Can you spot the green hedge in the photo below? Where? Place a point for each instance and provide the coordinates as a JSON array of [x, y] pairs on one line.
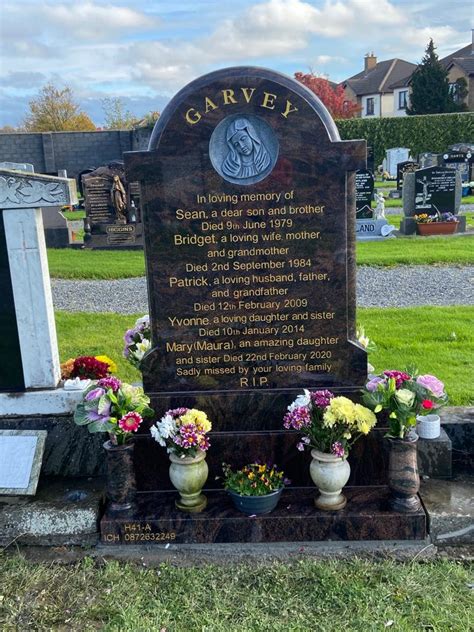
[[431, 132]]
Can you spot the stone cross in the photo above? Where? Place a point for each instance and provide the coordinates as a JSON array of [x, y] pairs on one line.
[[25, 283]]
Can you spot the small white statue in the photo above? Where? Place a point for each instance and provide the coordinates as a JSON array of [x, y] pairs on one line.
[[380, 208]]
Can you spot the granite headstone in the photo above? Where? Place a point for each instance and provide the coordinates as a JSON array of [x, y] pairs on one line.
[[112, 218], [364, 180], [408, 166]]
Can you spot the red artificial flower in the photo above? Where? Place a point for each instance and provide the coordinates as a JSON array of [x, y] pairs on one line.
[[427, 404], [87, 367], [130, 422]]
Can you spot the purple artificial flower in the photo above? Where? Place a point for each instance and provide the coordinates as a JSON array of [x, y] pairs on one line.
[[177, 412], [321, 399], [337, 449], [373, 384], [300, 446], [297, 418], [110, 382], [129, 336], [431, 383], [96, 393], [93, 415]]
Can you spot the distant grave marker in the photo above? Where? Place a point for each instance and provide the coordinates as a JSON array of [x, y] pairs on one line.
[[21, 455]]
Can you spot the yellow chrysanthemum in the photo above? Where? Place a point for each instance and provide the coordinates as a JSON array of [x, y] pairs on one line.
[[197, 417], [366, 419], [66, 368], [342, 409], [107, 360]]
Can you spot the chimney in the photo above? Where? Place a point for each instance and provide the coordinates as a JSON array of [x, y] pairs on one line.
[[370, 61]]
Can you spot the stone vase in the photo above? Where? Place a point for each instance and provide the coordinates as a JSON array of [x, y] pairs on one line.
[[120, 483], [403, 477], [188, 475], [329, 473]]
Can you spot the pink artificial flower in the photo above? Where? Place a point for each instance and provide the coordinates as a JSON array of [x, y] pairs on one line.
[[110, 382], [398, 376], [337, 449], [297, 418], [427, 404], [431, 383], [130, 422]]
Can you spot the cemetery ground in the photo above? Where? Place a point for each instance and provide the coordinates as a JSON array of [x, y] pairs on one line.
[[329, 595]]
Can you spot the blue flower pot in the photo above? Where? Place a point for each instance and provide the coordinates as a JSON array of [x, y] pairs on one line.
[[256, 505]]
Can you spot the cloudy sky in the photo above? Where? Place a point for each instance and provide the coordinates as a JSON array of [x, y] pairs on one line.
[[145, 50]]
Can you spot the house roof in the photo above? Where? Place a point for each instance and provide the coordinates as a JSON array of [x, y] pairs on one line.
[[462, 53], [382, 77]]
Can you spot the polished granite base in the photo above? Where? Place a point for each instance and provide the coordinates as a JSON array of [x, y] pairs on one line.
[[155, 519]]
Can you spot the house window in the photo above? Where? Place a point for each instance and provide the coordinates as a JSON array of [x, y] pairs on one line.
[[369, 107], [402, 99], [454, 91]]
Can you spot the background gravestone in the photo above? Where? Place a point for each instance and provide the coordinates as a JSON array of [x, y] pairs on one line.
[[249, 215], [461, 161], [428, 159], [409, 166], [364, 180], [428, 190], [112, 220], [392, 157]]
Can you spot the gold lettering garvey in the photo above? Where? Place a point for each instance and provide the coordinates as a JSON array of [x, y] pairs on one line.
[[266, 100]]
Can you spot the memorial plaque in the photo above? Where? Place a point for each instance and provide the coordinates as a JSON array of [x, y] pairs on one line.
[[248, 196], [435, 190], [405, 167], [121, 234], [98, 204], [21, 454], [364, 182]]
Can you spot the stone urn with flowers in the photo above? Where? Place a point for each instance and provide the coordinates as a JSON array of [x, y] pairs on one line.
[[183, 432], [116, 408], [404, 396], [329, 426]]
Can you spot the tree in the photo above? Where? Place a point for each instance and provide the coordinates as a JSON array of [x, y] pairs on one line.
[[8, 129], [430, 93], [116, 116], [54, 110], [333, 98], [149, 119]]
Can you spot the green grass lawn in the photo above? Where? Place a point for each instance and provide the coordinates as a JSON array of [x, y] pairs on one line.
[[327, 596], [68, 263], [438, 340], [416, 250]]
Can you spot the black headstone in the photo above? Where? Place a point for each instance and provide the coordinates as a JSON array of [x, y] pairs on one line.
[[11, 369], [370, 159], [408, 166], [112, 209], [249, 214], [462, 161], [435, 190], [364, 181]]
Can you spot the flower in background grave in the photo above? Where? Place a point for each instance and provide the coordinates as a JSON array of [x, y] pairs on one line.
[[88, 367], [107, 360]]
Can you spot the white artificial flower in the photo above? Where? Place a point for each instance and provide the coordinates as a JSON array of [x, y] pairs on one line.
[[144, 320], [405, 396], [142, 348], [301, 400], [167, 426], [155, 433]]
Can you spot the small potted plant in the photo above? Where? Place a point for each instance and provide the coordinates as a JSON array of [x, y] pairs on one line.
[[118, 409], [404, 396], [137, 341], [330, 426], [256, 488], [183, 432], [437, 224]]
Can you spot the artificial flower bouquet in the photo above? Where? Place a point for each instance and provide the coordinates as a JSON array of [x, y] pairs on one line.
[[88, 367], [328, 423], [404, 395], [254, 479], [115, 407], [424, 218], [137, 341], [183, 431]]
